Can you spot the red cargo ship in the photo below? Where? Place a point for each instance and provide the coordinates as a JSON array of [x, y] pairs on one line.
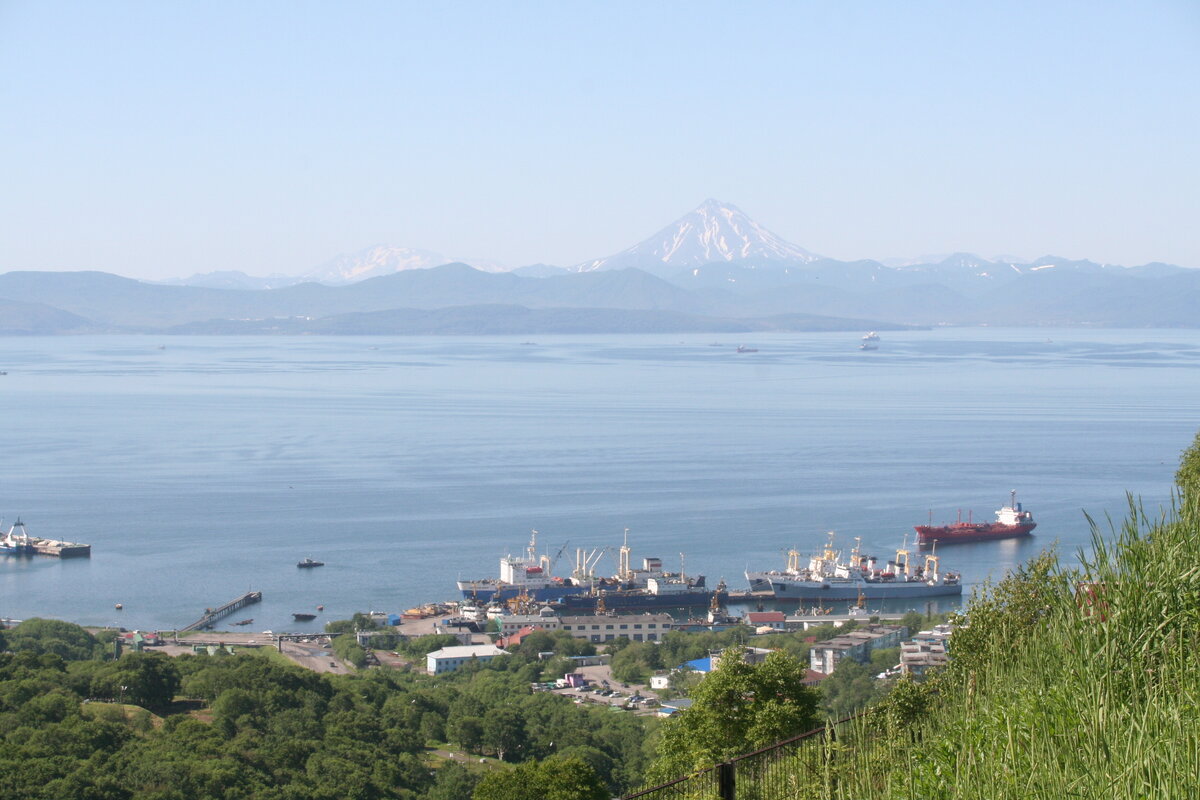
[[1012, 520]]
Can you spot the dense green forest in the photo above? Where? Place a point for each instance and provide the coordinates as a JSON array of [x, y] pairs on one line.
[[249, 726]]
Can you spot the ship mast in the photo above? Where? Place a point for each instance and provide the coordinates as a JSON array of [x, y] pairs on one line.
[[902, 558], [793, 560], [624, 573]]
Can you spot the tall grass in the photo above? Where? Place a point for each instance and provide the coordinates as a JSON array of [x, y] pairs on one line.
[[1068, 683], [1080, 682]]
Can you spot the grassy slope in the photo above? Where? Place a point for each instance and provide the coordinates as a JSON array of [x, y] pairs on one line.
[[1055, 694]]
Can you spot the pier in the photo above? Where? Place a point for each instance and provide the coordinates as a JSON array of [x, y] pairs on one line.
[[211, 615]]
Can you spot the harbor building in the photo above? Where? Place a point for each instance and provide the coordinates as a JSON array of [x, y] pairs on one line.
[[604, 628], [545, 620], [594, 628], [449, 659], [858, 645]]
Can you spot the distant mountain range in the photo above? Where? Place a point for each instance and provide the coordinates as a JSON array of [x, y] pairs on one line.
[[714, 270]]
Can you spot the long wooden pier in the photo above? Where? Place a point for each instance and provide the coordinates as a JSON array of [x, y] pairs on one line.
[[211, 615]]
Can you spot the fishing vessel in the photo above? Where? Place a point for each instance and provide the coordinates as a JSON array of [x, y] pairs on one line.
[[308, 563], [828, 577], [1011, 520], [528, 574], [16, 541], [667, 593], [642, 588]]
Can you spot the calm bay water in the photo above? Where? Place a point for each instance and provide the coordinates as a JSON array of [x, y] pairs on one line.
[[210, 466]]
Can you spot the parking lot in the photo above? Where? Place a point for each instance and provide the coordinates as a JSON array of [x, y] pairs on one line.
[[612, 692]]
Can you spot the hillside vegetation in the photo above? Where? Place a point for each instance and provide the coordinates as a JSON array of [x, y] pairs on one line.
[[1069, 681]]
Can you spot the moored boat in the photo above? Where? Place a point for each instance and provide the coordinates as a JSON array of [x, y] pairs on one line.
[[828, 577], [1012, 520], [303, 616], [528, 574], [16, 541]]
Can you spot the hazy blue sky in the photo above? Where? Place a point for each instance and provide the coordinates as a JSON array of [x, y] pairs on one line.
[[158, 139]]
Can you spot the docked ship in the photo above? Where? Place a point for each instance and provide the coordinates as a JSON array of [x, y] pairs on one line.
[[16, 541], [1011, 521], [521, 575], [645, 588], [666, 593], [529, 579], [828, 577]]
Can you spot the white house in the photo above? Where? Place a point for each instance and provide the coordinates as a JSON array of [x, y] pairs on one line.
[[449, 659]]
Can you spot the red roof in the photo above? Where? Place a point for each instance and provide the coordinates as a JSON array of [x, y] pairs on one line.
[[759, 617], [514, 639]]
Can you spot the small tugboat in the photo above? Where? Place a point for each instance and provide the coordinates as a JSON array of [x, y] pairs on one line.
[[303, 617], [308, 563]]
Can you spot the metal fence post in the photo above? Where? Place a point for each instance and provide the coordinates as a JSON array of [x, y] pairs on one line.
[[726, 780]]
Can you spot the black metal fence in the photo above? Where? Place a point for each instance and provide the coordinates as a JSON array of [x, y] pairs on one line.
[[808, 765]]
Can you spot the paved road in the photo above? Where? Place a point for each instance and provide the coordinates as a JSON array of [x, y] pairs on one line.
[[315, 657]]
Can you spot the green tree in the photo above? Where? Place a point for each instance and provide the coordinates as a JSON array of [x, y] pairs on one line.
[[851, 688], [736, 708], [433, 727], [504, 731], [453, 782], [914, 621], [144, 679], [64, 639], [465, 731], [556, 778]]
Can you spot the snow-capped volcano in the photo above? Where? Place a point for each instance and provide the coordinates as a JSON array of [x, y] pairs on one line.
[[384, 260], [715, 231]]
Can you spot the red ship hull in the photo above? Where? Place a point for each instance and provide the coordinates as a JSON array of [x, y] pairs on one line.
[[971, 532]]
